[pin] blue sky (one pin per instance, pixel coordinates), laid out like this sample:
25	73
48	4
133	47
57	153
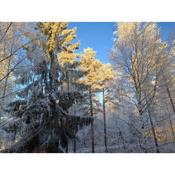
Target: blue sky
99	36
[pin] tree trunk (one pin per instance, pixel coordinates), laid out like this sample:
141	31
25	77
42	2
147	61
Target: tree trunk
67	148
68	83
152	126
45	81
75	141
170	98
51	70
92	123
104	118
172	130
75	146
173	108
153	131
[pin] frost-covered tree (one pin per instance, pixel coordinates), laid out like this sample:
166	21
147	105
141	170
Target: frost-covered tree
138	50
11	49
42	122
105	75
59	48
90	66
96	77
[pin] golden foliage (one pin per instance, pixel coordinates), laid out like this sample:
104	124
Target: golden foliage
60	37
67	57
130	32
125	29
87	58
97	74
144	47
105	74
51	30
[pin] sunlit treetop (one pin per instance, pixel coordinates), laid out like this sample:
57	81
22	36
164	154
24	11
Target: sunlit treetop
125	29
87	58
91	67
150	28
96	73
143	38
128	32
106	74
52	30
60	38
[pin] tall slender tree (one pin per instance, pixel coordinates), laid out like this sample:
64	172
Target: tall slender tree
105	74
138	50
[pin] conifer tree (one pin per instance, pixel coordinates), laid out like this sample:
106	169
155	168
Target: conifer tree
90	66
105	75
96	77
59	47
